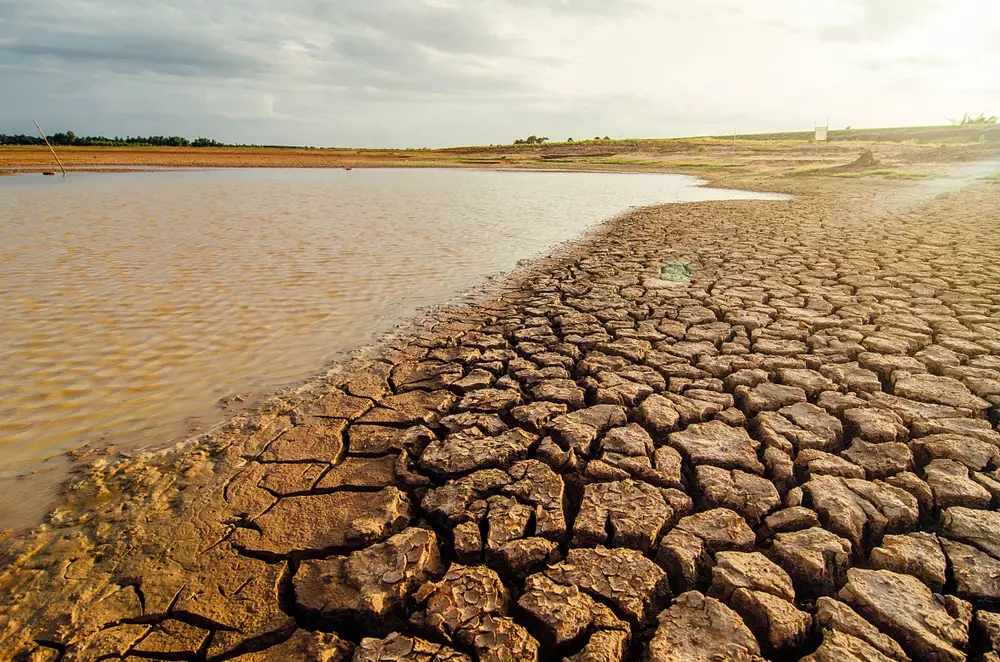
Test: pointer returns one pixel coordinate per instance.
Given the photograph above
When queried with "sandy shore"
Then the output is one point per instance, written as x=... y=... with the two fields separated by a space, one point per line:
x=786 y=456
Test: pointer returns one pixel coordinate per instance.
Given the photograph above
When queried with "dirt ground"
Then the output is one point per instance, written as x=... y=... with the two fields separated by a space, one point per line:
x=705 y=156
x=736 y=430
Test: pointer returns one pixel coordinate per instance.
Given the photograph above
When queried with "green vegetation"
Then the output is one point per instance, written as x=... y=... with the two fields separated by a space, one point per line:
x=531 y=140
x=968 y=120
x=71 y=139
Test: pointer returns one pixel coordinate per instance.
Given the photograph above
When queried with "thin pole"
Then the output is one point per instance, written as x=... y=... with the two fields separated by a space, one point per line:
x=50 y=148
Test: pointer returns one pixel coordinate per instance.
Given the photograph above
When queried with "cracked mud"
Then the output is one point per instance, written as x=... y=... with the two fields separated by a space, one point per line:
x=791 y=453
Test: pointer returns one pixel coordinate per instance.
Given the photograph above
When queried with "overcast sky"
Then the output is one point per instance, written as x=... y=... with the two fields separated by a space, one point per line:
x=411 y=73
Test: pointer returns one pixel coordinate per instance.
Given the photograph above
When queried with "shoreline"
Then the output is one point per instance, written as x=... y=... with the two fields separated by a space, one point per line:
x=94 y=577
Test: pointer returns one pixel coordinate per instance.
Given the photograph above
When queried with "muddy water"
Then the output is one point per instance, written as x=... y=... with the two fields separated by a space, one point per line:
x=131 y=303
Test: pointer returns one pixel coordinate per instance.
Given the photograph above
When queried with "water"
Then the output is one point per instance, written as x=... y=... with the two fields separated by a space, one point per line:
x=131 y=303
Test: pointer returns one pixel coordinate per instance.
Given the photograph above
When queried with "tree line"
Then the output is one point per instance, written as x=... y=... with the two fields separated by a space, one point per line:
x=71 y=139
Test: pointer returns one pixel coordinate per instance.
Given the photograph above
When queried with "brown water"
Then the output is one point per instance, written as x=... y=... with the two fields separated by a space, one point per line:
x=131 y=303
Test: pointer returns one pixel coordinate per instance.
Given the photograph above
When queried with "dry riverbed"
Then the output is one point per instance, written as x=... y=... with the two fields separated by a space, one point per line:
x=792 y=455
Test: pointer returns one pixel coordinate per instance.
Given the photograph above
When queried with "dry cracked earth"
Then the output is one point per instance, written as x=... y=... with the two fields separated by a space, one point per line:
x=792 y=456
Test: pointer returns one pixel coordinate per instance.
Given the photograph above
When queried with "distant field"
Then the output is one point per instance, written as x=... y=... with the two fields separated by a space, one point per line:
x=921 y=134
x=712 y=157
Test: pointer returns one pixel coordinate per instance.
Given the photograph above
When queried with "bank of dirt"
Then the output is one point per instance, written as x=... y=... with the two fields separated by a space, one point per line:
x=792 y=455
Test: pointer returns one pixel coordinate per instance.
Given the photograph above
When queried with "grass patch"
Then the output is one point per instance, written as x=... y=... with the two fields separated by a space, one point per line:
x=992 y=179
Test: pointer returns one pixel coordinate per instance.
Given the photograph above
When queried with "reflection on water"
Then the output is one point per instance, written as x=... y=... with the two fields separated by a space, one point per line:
x=133 y=302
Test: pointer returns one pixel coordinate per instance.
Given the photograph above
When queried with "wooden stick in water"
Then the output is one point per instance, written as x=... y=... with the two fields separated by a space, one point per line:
x=50 y=148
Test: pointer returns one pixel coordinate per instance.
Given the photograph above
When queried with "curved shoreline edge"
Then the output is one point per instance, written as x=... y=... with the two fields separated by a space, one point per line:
x=590 y=437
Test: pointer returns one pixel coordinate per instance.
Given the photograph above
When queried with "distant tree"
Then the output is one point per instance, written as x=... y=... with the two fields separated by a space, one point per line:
x=606 y=138
x=569 y=140
x=597 y=137
x=970 y=120
x=531 y=140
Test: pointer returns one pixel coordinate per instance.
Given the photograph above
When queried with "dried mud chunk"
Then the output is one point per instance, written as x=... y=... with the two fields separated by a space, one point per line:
x=859 y=510
x=920 y=490
x=610 y=388
x=810 y=381
x=489 y=400
x=977 y=574
x=880 y=460
x=718 y=444
x=836 y=403
x=466 y=451
x=780 y=469
x=368 y=588
x=410 y=408
x=476 y=379
x=952 y=486
x=885 y=365
x=564 y=612
x=629 y=440
x=381 y=440
x=489 y=424
x=816 y=559
x=874 y=425
x=852 y=377
x=315 y=439
x=426 y=375
x=928 y=627
x=686 y=550
x=720 y=528
x=692 y=409
x=918 y=554
x=840 y=647
x=303 y=645
x=339 y=405
x=603 y=646
x=976 y=455
x=701 y=629
x=399 y=648
x=323 y=521
x=980 y=528
x=171 y=637
x=751 y=496
x=832 y=614
x=361 y=472
x=796 y=518
x=536 y=415
x=629 y=512
x=468 y=542
x=633 y=584
x=537 y=483
x=559 y=390
x=579 y=429
x=814 y=419
x=508 y=520
x=520 y=557
x=967 y=427
x=469 y=605
x=937 y=390
x=768 y=397
x=817 y=463
x=772 y=619
x=912 y=411
x=452 y=501
x=750 y=570
x=288 y=478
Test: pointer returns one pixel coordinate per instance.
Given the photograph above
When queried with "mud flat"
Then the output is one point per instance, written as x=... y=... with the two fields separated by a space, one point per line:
x=791 y=455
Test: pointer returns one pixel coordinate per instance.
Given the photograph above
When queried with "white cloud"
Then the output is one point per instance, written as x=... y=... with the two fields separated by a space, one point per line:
x=440 y=72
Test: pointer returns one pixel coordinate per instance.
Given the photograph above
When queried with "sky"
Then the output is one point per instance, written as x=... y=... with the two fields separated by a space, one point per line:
x=431 y=73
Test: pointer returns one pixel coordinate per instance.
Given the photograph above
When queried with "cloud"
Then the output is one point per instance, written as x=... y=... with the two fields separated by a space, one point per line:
x=880 y=20
x=435 y=72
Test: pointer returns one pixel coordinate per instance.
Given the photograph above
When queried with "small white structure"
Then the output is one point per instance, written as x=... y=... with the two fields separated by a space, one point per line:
x=821 y=132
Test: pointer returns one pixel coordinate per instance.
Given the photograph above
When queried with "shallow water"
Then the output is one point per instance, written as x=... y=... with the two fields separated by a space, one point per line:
x=131 y=303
